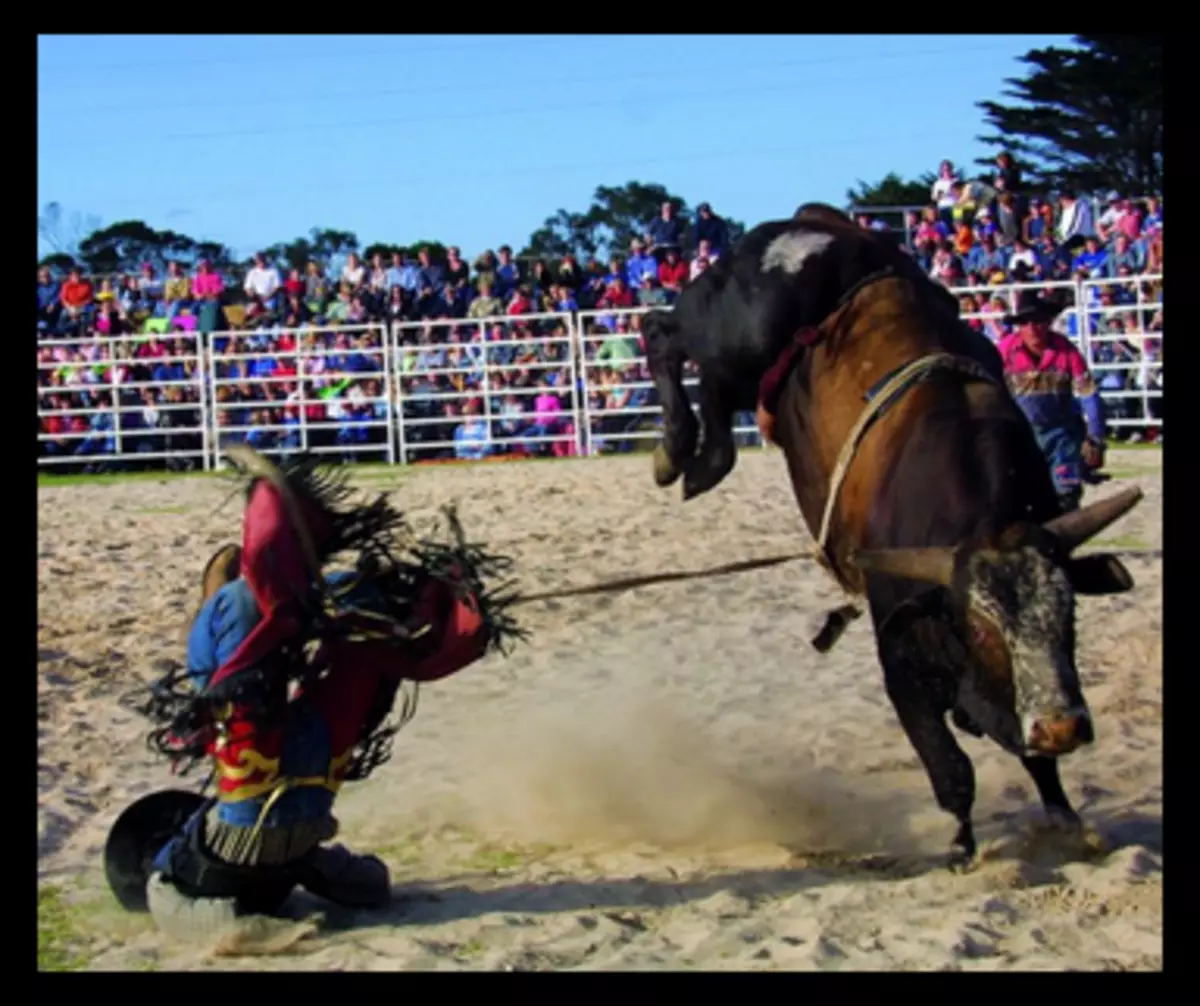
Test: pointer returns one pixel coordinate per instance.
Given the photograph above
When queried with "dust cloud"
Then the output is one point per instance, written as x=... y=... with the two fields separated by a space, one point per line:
x=632 y=771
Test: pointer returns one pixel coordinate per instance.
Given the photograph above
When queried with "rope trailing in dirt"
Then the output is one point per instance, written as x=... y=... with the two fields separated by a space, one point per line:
x=650 y=579
x=630 y=582
x=836 y=621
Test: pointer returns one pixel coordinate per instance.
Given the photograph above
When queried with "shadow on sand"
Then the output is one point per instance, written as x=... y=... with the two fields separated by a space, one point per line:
x=455 y=899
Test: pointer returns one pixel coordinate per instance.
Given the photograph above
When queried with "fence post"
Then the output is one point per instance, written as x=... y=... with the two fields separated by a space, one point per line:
x=487 y=393
x=1085 y=342
x=584 y=387
x=203 y=391
x=577 y=414
x=387 y=390
x=114 y=392
x=301 y=371
x=212 y=383
x=398 y=390
x=1144 y=368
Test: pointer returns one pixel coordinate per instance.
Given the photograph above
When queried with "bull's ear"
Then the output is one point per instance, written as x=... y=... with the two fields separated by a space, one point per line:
x=1098 y=574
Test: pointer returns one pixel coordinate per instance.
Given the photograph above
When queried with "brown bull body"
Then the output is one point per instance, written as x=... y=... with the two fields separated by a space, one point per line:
x=942 y=513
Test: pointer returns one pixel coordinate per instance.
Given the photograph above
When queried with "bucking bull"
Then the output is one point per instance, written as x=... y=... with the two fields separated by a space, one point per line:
x=917 y=474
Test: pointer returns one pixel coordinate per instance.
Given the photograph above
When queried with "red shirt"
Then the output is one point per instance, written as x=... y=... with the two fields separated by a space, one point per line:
x=76 y=294
x=673 y=275
x=618 y=298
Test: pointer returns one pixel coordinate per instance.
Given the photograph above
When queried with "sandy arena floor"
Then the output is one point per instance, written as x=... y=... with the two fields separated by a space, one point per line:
x=666 y=778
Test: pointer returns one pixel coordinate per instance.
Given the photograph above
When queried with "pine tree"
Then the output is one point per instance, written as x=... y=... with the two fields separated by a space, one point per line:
x=1091 y=118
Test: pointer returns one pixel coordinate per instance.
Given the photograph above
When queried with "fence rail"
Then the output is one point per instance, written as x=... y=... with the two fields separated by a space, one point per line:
x=414 y=391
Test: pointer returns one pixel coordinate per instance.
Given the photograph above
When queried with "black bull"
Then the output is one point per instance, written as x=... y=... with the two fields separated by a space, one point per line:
x=923 y=483
x=736 y=318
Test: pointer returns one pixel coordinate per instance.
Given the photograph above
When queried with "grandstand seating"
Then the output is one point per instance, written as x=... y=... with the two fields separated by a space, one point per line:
x=417 y=361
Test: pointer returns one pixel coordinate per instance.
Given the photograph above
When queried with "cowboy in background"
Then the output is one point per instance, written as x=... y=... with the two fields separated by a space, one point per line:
x=282 y=726
x=1050 y=381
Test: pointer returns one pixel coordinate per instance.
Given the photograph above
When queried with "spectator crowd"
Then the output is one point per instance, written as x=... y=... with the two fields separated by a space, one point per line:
x=301 y=358
x=991 y=232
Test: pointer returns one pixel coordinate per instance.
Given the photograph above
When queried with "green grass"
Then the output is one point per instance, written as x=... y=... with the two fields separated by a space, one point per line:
x=381 y=471
x=493 y=858
x=366 y=471
x=472 y=948
x=402 y=852
x=50 y=479
x=59 y=938
x=1120 y=541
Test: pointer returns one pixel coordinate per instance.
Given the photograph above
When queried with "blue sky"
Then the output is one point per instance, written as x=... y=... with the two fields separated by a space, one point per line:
x=475 y=140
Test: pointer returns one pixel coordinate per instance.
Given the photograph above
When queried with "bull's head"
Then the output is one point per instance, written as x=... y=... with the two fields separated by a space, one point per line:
x=1015 y=598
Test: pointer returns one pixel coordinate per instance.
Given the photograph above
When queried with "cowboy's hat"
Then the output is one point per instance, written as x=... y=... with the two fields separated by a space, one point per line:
x=1032 y=308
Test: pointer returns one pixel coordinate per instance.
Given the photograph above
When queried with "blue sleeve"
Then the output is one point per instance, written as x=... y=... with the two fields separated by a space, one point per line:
x=225 y=619
x=1093 y=411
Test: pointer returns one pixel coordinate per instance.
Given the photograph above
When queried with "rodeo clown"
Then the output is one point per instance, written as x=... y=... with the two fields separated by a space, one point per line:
x=290 y=676
x=1046 y=375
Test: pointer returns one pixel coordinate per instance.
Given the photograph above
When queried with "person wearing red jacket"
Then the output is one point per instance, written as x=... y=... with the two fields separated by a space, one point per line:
x=673 y=272
x=282 y=727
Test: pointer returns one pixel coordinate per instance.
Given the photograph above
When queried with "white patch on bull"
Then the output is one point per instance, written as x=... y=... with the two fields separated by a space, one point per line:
x=1036 y=609
x=790 y=251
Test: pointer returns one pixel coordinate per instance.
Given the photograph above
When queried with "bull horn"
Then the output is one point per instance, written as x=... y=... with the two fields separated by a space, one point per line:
x=1077 y=526
x=932 y=565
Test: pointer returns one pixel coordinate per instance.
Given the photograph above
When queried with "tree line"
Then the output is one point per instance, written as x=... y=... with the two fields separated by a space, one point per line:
x=616 y=216
x=1087 y=118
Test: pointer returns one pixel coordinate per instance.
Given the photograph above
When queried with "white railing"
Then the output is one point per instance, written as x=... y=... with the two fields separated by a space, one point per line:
x=513 y=387
x=903 y=211
x=1124 y=348
x=1126 y=363
x=299 y=375
x=557 y=384
x=111 y=406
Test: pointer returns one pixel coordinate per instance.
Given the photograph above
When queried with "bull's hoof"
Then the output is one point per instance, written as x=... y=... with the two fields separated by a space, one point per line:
x=666 y=472
x=693 y=487
x=836 y=622
x=962 y=861
x=704 y=473
x=1063 y=820
x=1064 y=830
x=964 y=851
